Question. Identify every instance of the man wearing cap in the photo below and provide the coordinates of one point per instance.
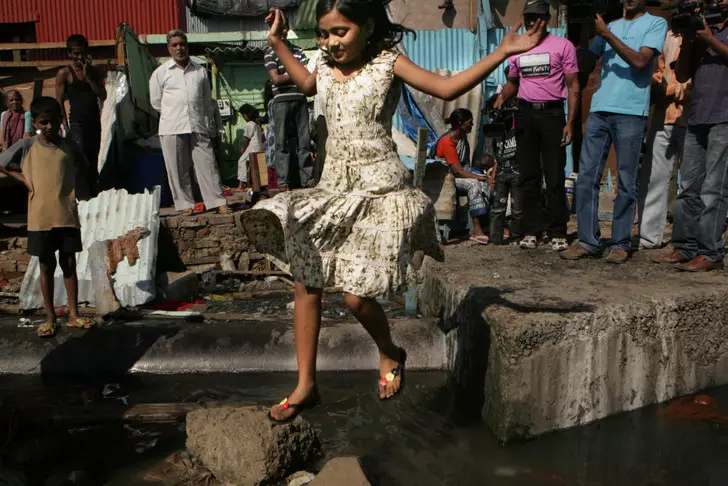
(628, 48)
(541, 78)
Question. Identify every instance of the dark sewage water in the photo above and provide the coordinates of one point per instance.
(53, 433)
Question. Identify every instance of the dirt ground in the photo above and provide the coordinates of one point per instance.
(541, 277)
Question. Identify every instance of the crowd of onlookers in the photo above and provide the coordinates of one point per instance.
(663, 90)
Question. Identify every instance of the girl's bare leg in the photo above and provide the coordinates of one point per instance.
(306, 326)
(371, 315)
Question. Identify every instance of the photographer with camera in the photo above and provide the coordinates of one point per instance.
(618, 114)
(541, 79)
(701, 206)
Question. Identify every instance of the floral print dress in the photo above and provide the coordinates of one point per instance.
(358, 228)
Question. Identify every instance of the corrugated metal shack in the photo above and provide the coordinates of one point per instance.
(55, 21)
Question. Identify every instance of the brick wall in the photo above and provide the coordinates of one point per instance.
(200, 240)
(13, 262)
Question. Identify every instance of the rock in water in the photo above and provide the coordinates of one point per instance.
(340, 471)
(243, 448)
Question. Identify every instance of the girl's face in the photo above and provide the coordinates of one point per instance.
(343, 39)
(467, 126)
(15, 102)
(246, 117)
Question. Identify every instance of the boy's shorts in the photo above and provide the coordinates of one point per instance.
(67, 240)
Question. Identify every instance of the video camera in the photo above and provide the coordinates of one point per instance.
(585, 11)
(691, 15)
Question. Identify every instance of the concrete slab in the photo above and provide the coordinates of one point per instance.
(543, 344)
(153, 346)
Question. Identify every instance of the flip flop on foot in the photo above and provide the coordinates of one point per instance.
(390, 379)
(47, 330)
(81, 323)
(308, 403)
(480, 239)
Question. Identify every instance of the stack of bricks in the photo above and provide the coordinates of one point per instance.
(14, 262)
(202, 239)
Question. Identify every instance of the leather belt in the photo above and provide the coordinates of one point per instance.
(542, 105)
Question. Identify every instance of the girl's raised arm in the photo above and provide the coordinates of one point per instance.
(305, 80)
(456, 86)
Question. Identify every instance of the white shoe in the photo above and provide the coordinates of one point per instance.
(559, 244)
(528, 242)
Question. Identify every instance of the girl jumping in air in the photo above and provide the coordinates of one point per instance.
(358, 228)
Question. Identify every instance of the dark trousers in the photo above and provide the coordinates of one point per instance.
(291, 140)
(506, 183)
(540, 156)
(88, 138)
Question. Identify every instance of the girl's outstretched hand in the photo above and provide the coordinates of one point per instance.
(277, 21)
(514, 43)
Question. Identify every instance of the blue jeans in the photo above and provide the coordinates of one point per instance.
(700, 209)
(602, 129)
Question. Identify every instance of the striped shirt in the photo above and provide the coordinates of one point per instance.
(273, 62)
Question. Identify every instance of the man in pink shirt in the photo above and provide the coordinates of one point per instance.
(541, 78)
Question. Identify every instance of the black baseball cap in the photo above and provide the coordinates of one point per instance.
(536, 7)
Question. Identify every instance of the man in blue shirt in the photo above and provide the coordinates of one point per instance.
(700, 209)
(628, 48)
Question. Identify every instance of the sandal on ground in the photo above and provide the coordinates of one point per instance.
(392, 375)
(310, 402)
(81, 323)
(47, 330)
(481, 240)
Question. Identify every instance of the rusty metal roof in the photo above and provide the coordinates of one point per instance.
(107, 217)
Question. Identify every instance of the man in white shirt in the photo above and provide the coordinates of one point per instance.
(180, 92)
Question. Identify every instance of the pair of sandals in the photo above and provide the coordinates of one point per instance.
(49, 329)
(315, 399)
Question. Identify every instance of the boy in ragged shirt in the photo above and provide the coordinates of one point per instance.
(49, 165)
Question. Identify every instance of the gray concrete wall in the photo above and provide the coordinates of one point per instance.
(549, 369)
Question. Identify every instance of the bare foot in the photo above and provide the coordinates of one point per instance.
(300, 395)
(386, 365)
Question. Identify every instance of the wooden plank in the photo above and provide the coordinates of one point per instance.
(11, 46)
(37, 88)
(421, 160)
(41, 64)
(262, 168)
(254, 172)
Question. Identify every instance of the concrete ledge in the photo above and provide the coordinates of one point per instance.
(567, 343)
(230, 347)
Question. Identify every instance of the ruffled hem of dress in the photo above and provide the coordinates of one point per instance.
(269, 230)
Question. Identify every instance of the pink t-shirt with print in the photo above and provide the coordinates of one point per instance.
(542, 69)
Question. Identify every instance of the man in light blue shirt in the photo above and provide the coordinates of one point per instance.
(628, 48)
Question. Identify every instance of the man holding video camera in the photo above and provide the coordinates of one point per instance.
(628, 48)
(701, 206)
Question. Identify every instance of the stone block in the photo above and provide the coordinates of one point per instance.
(21, 256)
(203, 233)
(243, 448)
(205, 243)
(170, 223)
(218, 219)
(8, 266)
(22, 267)
(192, 222)
(178, 287)
(340, 471)
(244, 262)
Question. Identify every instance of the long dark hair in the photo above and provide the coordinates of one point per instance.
(386, 33)
(250, 111)
(458, 117)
